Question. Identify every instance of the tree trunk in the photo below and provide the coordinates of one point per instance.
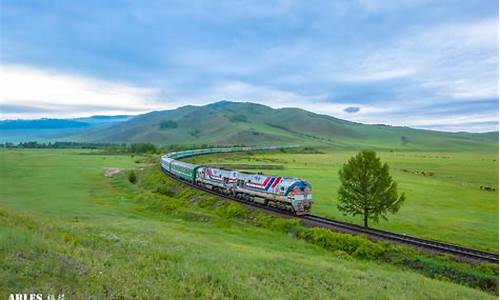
(366, 220)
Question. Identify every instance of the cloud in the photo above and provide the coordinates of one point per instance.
(398, 62)
(371, 75)
(351, 109)
(29, 92)
(451, 61)
(464, 127)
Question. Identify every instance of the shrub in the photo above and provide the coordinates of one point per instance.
(195, 133)
(483, 276)
(166, 190)
(168, 125)
(238, 118)
(355, 245)
(275, 224)
(342, 254)
(132, 178)
(139, 148)
(369, 250)
(231, 210)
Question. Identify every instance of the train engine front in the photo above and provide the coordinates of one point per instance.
(286, 193)
(298, 193)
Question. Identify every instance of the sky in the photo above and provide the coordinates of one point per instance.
(418, 63)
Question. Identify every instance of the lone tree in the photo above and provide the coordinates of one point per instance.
(367, 189)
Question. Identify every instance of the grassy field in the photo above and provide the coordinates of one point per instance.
(447, 204)
(66, 228)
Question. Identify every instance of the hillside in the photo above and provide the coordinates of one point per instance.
(248, 123)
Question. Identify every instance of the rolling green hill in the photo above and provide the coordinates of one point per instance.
(248, 123)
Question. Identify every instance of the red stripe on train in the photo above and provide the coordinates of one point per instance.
(276, 182)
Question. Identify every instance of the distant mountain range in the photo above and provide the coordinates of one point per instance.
(52, 129)
(227, 122)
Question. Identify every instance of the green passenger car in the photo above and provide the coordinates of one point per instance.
(183, 170)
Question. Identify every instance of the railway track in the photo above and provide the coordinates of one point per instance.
(435, 246)
(471, 255)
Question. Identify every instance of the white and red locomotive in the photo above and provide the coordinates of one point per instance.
(285, 193)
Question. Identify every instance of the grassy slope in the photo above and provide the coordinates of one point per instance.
(66, 228)
(448, 206)
(248, 123)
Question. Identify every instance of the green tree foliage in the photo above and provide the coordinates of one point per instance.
(367, 189)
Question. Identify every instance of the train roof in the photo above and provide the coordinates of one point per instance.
(251, 173)
(184, 164)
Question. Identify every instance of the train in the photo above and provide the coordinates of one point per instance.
(285, 193)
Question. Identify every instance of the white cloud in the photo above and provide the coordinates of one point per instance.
(453, 61)
(376, 6)
(447, 62)
(374, 75)
(56, 94)
(457, 121)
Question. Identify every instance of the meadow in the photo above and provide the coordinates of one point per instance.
(443, 189)
(66, 228)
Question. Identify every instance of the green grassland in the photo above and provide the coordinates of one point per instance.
(447, 206)
(66, 228)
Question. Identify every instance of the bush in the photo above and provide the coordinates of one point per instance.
(238, 118)
(140, 148)
(483, 276)
(166, 190)
(274, 223)
(369, 251)
(230, 210)
(168, 125)
(328, 239)
(455, 273)
(132, 178)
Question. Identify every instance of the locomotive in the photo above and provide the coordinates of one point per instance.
(285, 193)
